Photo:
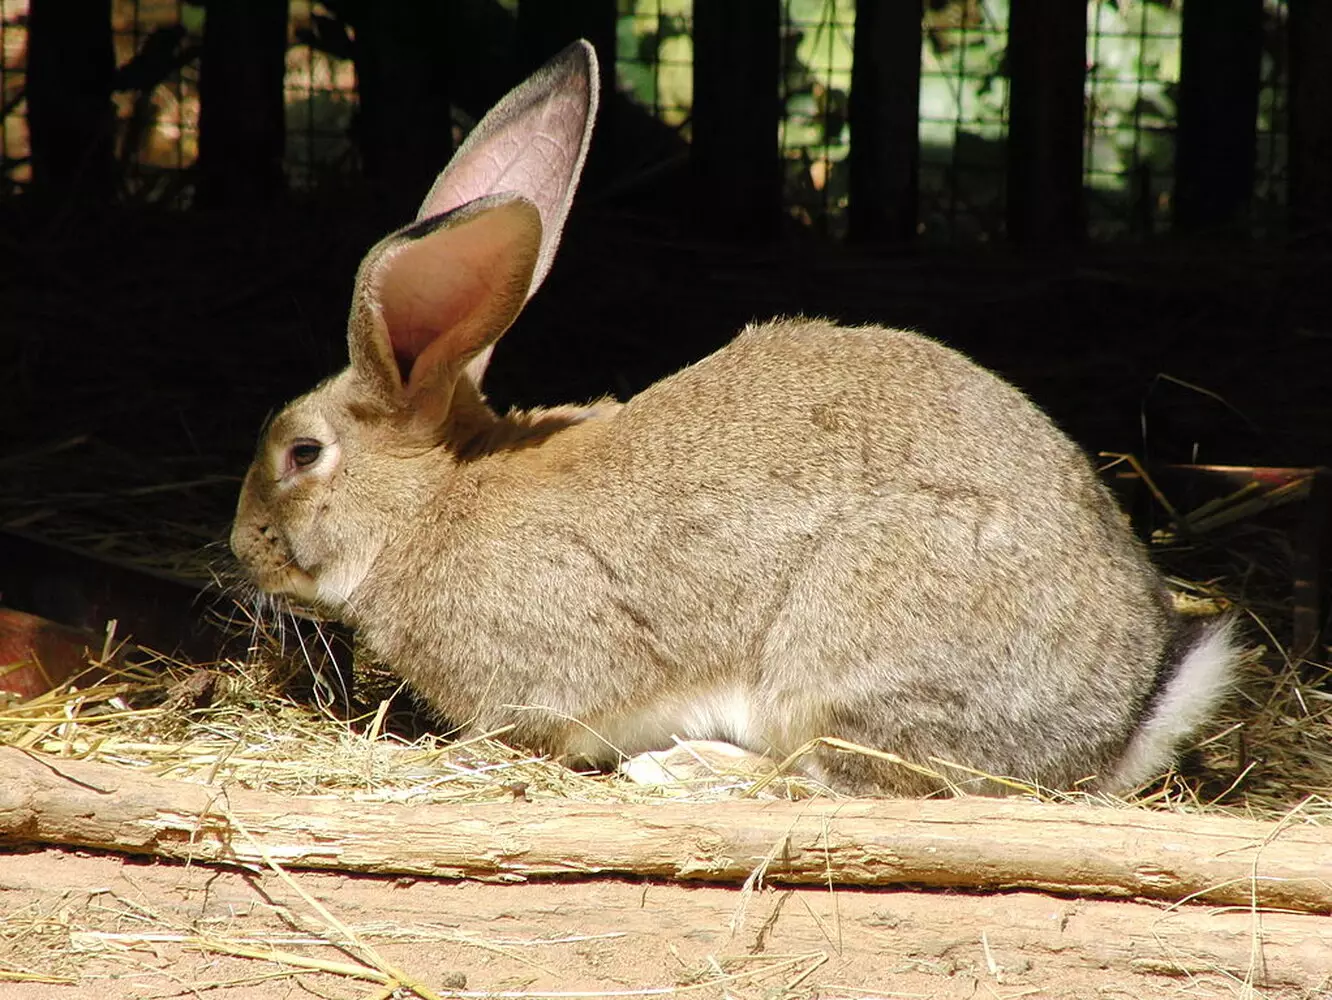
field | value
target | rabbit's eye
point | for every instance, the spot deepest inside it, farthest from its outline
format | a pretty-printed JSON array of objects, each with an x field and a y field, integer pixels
[{"x": 304, "y": 453}]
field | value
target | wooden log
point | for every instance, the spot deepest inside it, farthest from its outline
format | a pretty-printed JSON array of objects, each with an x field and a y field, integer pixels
[
  {"x": 885, "y": 126},
  {"x": 71, "y": 120},
  {"x": 1310, "y": 34},
  {"x": 36, "y": 654},
  {"x": 242, "y": 106},
  {"x": 405, "y": 130},
  {"x": 544, "y": 28},
  {"x": 964, "y": 843}
]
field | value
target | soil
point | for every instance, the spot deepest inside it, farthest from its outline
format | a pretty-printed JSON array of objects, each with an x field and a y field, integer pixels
[{"x": 112, "y": 927}]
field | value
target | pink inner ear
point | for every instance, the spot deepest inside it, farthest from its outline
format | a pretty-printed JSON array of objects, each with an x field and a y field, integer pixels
[
  {"x": 418, "y": 322},
  {"x": 447, "y": 294}
]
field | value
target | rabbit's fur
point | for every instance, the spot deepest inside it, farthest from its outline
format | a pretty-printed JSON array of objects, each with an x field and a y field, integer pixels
[{"x": 815, "y": 531}]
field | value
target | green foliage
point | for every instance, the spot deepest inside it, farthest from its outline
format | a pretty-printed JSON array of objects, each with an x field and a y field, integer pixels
[
  {"x": 656, "y": 56},
  {"x": 1133, "y": 58}
]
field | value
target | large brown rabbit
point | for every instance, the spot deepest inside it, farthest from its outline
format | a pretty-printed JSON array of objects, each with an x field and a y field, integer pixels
[{"x": 815, "y": 531}]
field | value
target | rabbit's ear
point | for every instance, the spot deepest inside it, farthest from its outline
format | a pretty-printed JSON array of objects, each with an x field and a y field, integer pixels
[
  {"x": 435, "y": 295},
  {"x": 533, "y": 143}
]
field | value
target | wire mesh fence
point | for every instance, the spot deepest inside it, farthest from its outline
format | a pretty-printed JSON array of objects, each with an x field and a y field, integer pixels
[
  {"x": 15, "y": 168},
  {"x": 963, "y": 120},
  {"x": 320, "y": 94},
  {"x": 1133, "y": 67}
]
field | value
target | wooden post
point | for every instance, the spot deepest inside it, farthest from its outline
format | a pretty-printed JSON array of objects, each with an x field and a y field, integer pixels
[
  {"x": 406, "y": 128},
  {"x": 70, "y": 115},
  {"x": 735, "y": 156},
  {"x": 1310, "y": 33},
  {"x": 1047, "y": 63},
  {"x": 242, "y": 106},
  {"x": 885, "y": 128},
  {"x": 1216, "y": 140}
]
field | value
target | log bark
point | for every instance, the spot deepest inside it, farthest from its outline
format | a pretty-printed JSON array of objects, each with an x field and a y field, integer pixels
[
  {"x": 71, "y": 120},
  {"x": 1221, "y": 51},
  {"x": 1310, "y": 34},
  {"x": 405, "y": 128},
  {"x": 242, "y": 107},
  {"x": 976, "y": 844}
]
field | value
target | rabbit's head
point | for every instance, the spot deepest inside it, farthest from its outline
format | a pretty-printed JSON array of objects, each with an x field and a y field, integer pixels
[{"x": 339, "y": 470}]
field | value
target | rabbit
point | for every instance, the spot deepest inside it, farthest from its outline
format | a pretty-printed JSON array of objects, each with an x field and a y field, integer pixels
[{"x": 816, "y": 531}]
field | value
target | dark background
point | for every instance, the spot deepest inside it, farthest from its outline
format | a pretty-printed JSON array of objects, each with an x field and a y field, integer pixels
[{"x": 142, "y": 343}]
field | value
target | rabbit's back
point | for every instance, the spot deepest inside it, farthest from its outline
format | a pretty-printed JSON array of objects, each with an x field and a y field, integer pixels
[
  {"x": 942, "y": 572},
  {"x": 814, "y": 531}
]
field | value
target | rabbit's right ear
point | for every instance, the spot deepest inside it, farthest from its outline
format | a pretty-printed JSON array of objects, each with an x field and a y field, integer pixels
[
  {"x": 532, "y": 143},
  {"x": 431, "y": 301}
]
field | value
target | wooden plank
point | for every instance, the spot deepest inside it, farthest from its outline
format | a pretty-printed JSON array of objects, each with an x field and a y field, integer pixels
[
  {"x": 543, "y": 29},
  {"x": 734, "y": 156},
  {"x": 885, "y": 129},
  {"x": 403, "y": 85},
  {"x": 1047, "y": 62},
  {"x": 1217, "y": 135}
]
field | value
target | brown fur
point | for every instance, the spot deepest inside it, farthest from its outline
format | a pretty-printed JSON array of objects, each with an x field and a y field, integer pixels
[{"x": 816, "y": 531}]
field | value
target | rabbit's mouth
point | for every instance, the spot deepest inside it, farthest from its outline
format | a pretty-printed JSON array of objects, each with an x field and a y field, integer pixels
[
  {"x": 289, "y": 581},
  {"x": 326, "y": 588},
  {"x": 282, "y": 579},
  {"x": 271, "y": 567}
]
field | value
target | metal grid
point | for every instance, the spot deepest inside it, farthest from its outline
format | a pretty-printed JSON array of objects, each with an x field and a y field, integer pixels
[
  {"x": 1133, "y": 59},
  {"x": 156, "y": 45},
  {"x": 963, "y": 120},
  {"x": 817, "y": 43},
  {"x": 1133, "y": 55},
  {"x": 320, "y": 95},
  {"x": 15, "y": 171},
  {"x": 654, "y": 57}
]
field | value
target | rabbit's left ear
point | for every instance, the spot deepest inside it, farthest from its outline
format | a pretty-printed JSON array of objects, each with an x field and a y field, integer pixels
[
  {"x": 437, "y": 295},
  {"x": 532, "y": 144}
]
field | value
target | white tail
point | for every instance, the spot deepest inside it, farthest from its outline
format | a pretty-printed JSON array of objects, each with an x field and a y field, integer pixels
[{"x": 1200, "y": 682}]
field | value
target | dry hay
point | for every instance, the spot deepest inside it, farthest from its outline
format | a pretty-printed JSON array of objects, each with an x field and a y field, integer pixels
[{"x": 246, "y": 722}]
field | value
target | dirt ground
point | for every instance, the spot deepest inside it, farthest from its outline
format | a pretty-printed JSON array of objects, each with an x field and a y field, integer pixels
[{"x": 111, "y": 927}]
